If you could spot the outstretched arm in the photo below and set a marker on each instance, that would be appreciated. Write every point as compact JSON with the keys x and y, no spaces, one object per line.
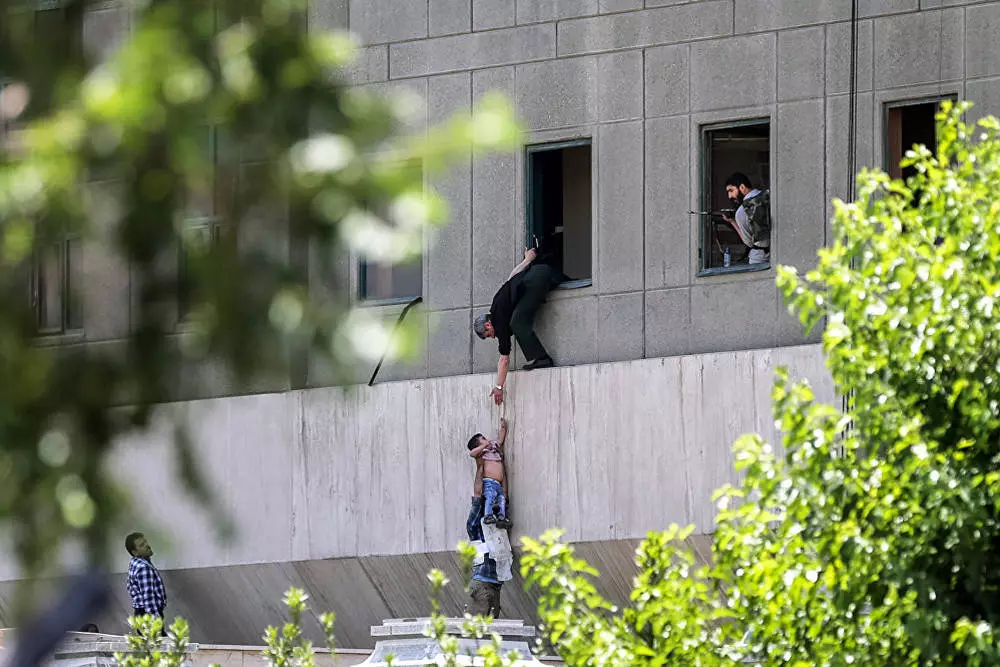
{"x":503,"y":431}
{"x":503,"y":365}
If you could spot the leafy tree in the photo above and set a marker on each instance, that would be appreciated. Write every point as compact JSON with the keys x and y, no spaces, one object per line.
{"x":870,"y":539}
{"x":673,"y":619}
{"x":115,"y":152}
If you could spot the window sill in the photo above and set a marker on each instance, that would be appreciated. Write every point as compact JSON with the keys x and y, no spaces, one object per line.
{"x":396,"y":301}
{"x":57,"y":339}
{"x":575,"y":284}
{"x":187,"y":325}
{"x":725,"y":271}
{"x":572,"y":289}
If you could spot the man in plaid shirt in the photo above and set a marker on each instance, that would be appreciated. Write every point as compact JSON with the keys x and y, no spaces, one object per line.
{"x":145,"y":587}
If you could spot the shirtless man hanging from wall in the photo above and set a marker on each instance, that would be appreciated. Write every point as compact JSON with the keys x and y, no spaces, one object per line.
{"x":485,"y":586}
{"x":490,"y":486}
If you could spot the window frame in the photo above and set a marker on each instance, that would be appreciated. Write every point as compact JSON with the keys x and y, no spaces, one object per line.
{"x":65,"y":292}
{"x":196,"y":218}
{"x":36,"y":7}
{"x":5,"y":124}
{"x":705,"y":197}
{"x":69,"y":301}
{"x":887,"y":108}
{"x":365,"y":300}
{"x":192,"y":212}
{"x":361,"y":263}
{"x":215,"y":226}
{"x":529,"y":216}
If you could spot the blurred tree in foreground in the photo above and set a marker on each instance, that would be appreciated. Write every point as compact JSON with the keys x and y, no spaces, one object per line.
{"x":117,"y":151}
{"x":875,"y":544}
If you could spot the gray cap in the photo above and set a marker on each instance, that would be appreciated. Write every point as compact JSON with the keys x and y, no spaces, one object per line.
{"x":479,"y":324}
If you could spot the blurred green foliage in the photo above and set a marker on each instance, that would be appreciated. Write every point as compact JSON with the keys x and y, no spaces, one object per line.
{"x":229,"y":112}
{"x":869,"y":538}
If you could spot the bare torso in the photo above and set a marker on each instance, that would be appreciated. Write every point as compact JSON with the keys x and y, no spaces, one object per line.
{"x":493,"y":470}
{"x":492,"y":462}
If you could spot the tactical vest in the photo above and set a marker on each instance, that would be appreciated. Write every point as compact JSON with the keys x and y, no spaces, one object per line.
{"x":758,"y":211}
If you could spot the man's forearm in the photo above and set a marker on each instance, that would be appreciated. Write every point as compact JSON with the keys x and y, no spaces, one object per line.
{"x":520,"y":267}
{"x":503,"y":365}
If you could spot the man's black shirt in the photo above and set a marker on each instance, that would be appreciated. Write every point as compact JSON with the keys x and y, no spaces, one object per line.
{"x":502,"y":310}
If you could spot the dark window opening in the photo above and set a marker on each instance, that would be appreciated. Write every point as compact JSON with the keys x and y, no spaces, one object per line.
{"x":381,"y":281}
{"x":56,"y":29}
{"x":56,"y":307}
{"x":392,"y":282}
{"x":198,"y":238}
{"x":203,"y":229}
{"x":559,"y":207}
{"x":4,"y":122}
{"x":729,"y":239}
{"x":202,"y":190}
{"x":908,"y":124}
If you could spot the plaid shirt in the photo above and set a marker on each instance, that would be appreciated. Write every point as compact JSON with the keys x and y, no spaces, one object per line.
{"x":145,"y":587}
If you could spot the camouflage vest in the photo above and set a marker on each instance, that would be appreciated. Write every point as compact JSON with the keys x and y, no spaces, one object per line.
{"x":758,"y":211}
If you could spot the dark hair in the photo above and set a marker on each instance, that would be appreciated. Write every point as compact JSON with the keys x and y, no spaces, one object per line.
{"x":130,"y":541}
{"x":89,"y":627}
{"x":738,"y":179}
{"x":474,"y":441}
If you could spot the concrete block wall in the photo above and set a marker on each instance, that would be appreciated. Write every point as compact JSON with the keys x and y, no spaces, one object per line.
{"x":383,"y":470}
{"x":354,"y":494}
{"x":639,"y":78}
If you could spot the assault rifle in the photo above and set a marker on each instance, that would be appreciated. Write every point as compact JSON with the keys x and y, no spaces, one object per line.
{"x":721,"y":213}
{"x":716,"y":214}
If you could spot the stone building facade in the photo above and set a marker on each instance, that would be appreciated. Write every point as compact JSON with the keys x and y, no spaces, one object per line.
{"x":646,"y":89}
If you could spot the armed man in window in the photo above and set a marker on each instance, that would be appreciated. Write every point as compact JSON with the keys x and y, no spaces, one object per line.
{"x":513,"y":314}
{"x":752,"y":220}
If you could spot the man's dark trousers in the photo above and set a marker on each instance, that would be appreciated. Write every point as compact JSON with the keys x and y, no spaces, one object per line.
{"x":538,"y":281}
{"x":142,"y":612}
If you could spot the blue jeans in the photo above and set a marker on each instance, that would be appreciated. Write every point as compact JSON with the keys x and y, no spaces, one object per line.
{"x":472,"y":525}
{"x":493,"y":492}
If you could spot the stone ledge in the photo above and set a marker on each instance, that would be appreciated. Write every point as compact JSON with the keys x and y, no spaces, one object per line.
{"x":410,"y":627}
